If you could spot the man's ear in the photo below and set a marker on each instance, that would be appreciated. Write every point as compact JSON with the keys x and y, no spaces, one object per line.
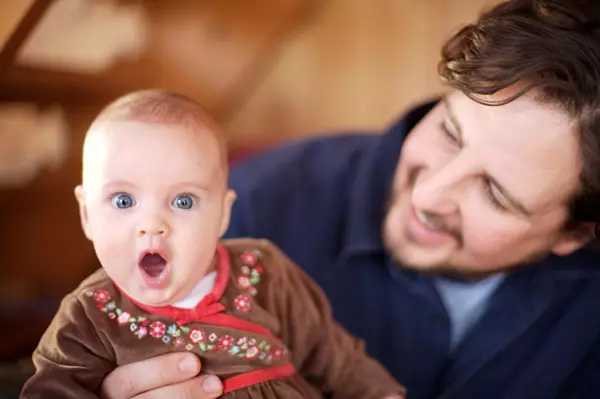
{"x":228,"y":201}
{"x":574,"y":239}
{"x":85,"y":223}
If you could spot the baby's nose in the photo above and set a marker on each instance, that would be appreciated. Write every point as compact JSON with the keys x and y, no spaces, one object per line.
{"x":155,"y":229}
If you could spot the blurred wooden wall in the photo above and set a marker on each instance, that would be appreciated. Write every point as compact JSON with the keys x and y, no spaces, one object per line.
{"x":270,"y":70}
{"x":357,"y":66}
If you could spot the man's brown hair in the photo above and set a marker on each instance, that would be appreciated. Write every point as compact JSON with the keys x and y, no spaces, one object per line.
{"x":550,"y":46}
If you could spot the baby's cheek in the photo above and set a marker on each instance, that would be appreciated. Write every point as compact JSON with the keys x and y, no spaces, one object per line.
{"x":112,"y":245}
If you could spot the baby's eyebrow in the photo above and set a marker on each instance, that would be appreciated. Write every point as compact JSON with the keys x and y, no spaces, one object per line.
{"x":114,"y":184}
{"x":194,"y":185}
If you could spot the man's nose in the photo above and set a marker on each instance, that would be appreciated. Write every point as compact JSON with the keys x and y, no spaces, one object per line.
{"x":436,"y":192}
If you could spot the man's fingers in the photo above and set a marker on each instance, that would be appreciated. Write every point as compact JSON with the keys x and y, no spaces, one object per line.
{"x":202,"y":387}
{"x":125,"y":382}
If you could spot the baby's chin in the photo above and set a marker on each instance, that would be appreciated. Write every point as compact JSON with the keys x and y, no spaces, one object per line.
{"x":155,"y":297}
{"x":166,"y":295}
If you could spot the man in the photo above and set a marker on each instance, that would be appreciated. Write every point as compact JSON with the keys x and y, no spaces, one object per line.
{"x":454,"y":243}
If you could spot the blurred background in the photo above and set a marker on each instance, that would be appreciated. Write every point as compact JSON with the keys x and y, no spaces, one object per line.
{"x":268,"y":70}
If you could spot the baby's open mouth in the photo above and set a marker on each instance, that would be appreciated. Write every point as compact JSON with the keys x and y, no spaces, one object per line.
{"x":153,"y":264}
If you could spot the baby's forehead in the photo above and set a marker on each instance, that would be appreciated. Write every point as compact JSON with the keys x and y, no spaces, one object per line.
{"x":127,"y":137}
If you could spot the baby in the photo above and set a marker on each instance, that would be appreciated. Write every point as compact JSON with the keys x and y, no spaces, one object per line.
{"x":155,"y":203}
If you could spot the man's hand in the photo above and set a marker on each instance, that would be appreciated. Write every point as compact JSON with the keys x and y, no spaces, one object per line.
{"x":173,"y":376}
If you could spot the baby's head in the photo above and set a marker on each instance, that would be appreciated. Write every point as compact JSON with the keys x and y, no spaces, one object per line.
{"x":154,"y":198}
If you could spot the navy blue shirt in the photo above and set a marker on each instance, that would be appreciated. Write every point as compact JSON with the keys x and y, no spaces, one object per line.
{"x":322,"y":201}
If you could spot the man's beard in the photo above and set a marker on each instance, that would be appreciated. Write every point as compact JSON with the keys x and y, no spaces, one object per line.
{"x":454,"y":272}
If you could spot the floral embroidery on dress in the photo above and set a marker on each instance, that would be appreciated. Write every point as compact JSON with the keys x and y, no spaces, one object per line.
{"x":191,"y":337}
{"x":250,"y":277}
{"x":242,"y":303}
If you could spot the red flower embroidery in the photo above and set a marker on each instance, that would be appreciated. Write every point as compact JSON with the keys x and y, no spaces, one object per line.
{"x":259,"y":268}
{"x":242,"y":303}
{"x":157,"y":329}
{"x":277,"y":352}
{"x":244,"y":282}
{"x":142,"y":332}
{"x":225,"y":342}
{"x":249,"y":258}
{"x":196,"y":336}
{"x":179,"y":341}
{"x":102,"y":296}
{"x":251,"y":353}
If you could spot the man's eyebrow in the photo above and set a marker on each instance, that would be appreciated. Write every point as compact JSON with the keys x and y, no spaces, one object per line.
{"x":452,"y":118}
{"x":518,"y":205}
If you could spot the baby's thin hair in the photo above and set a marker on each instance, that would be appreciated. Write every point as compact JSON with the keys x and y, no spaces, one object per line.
{"x":159,"y":106}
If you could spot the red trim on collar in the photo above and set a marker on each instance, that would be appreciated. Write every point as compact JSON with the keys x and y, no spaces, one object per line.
{"x":207,"y":306}
{"x":208,"y":309}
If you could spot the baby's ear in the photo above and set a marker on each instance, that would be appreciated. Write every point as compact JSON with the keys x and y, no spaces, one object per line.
{"x":228,"y":201}
{"x":85,"y":224}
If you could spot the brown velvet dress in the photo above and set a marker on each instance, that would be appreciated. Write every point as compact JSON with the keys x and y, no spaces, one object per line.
{"x":265,"y":329}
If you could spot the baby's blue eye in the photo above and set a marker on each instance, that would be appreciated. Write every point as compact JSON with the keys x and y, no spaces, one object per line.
{"x":123,"y":201}
{"x":183,"y":201}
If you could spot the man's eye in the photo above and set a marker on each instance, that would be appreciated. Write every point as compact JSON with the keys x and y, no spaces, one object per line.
{"x":448,"y":134}
{"x":123,"y":201}
{"x":495,"y":201}
{"x":184,"y":201}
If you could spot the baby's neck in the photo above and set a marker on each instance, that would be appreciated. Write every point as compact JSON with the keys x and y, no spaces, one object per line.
{"x":203,"y":288}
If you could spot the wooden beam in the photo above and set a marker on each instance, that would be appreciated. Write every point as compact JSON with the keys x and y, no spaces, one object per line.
{"x":22,"y":31}
{"x":20,"y":83}
{"x":242,"y":91}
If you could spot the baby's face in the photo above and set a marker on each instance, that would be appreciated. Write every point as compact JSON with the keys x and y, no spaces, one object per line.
{"x":154,"y":202}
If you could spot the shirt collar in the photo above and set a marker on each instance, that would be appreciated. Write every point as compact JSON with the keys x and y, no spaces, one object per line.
{"x":369,"y":189}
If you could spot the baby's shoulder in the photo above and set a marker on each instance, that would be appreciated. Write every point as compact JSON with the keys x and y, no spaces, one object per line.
{"x":95,"y":284}
{"x":256,"y":256}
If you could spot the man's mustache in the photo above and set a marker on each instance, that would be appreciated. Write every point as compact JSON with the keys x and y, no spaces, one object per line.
{"x":440,"y":222}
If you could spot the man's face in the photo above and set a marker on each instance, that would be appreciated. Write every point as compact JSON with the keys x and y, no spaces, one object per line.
{"x":154,"y":189}
{"x":481,"y":188}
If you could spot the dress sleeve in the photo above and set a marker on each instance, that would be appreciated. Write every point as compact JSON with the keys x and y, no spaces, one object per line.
{"x":321,"y":349}
{"x":71,"y":359}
